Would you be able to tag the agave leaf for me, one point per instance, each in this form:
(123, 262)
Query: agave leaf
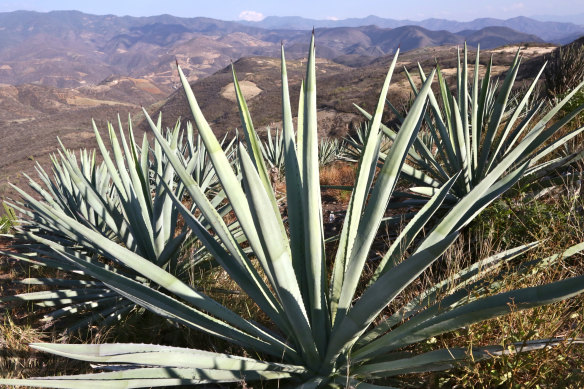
(382, 292)
(473, 312)
(458, 281)
(444, 359)
(156, 355)
(510, 124)
(300, 129)
(461, 146)
(175, 310)
(294, 188)
(497, 116)
(148, 376)
(474, 123)
(365, 173)
(379, 199)
(312, 207)
(412, 229)
(278, 251)
(253, 143)
(431, 164)
(241, 269)
(57, 282)
(58, 297)
(224, 171)
(72, 309)
(555, 145)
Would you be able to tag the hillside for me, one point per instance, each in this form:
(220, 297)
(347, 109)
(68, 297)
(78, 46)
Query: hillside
(33, 116)
(69, 49)
(339, 87)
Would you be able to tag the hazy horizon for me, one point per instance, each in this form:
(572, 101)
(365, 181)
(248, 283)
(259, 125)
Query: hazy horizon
(258, 9)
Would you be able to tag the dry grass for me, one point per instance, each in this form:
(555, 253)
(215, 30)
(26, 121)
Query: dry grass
(19, 328)
(18, 360)
(338, 173)
(557, 220)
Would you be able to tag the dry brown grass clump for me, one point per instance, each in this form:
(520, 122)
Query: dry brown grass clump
(338, 173)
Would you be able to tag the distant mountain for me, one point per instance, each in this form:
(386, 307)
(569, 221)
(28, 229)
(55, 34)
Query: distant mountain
(567, 18)
(70, 49)
(550, 31)
(373, 41)
(491, 37)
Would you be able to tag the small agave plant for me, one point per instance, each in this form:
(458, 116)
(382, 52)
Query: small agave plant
(327, 327)
(273, 149)
(329, 150)
(354, 144)
(126, 199)
(481, 124)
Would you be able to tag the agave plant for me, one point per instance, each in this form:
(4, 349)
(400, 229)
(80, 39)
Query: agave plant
(124, 200)
(478, 126)
(273, 149)
(8, 220)
(329, 150)
(324, 330)
(354, 145)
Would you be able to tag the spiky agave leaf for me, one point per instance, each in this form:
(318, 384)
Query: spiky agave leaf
(125, 199)
(481, 125)
(330, 150)
(321, 326)
(273, 149)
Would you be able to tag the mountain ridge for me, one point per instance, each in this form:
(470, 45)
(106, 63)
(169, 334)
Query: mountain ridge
(70, 49)
(550, 31)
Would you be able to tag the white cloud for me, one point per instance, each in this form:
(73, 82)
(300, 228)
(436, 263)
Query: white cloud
(331, 18)
(251, 16)
(514, 7)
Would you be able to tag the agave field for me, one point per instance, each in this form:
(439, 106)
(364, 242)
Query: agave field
(454, 261)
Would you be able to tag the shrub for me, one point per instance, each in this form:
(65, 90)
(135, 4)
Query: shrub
(565, 69)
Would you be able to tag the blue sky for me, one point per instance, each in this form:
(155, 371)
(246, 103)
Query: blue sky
(316, 9)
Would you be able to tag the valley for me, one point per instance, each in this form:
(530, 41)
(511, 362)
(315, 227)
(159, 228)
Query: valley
(61, 70)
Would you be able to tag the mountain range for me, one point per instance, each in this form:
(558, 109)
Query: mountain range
(70, 49)
(549, 31)
(566, 18)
